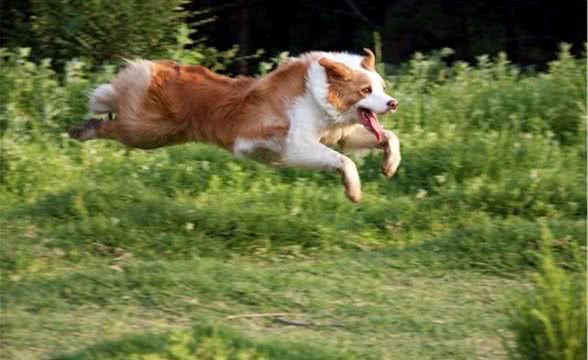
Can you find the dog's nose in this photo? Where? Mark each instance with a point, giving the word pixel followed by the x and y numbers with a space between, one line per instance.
pixel 392 104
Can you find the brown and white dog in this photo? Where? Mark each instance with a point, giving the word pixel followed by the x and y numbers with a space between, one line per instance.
pixel 288 117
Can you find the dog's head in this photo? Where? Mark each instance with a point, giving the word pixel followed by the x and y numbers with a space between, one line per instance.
pixel 350 90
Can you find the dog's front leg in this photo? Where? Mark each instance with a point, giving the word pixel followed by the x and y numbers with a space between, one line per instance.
pixel 361 138
pixel 317 156
pixel 391 154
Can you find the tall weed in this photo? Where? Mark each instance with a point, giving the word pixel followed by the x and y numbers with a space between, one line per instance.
pixel 550 323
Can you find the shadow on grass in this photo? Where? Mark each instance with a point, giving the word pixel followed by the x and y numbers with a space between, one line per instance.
pixel 203 342
pixel 501 247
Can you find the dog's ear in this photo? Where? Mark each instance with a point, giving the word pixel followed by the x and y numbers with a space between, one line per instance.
pixel 336 70
pixel 369 60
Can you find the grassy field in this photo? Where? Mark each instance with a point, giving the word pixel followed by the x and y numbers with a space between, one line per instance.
pixel 110 253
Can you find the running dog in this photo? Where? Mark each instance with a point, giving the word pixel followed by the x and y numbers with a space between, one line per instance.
pixel 289 117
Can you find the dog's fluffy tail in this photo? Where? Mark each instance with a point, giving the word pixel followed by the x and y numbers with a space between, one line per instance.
pixel 104 99
pixel 125 95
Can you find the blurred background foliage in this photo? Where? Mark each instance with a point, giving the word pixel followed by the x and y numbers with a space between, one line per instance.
pixel 95 30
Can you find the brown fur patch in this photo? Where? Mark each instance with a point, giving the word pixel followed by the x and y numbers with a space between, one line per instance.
pixel 192 103
pixel 345 84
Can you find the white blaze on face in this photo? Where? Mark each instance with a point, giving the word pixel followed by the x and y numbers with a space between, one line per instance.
pixel 378 100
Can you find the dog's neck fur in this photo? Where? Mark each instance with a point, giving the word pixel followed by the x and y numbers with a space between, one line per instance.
pixel 317 87
pixel 325 116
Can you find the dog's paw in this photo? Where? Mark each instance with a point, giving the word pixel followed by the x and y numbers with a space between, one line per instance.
pixel 391 155
pixel 390 165
pixel 353 194
pixel 351 179
pixel 75 133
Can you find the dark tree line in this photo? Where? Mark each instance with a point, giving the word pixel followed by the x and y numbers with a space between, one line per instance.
pixel 528 30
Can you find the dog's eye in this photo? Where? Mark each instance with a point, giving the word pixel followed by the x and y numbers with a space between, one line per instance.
pixel 366 90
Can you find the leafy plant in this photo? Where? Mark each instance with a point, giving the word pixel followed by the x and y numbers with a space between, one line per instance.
pixel 550 323
pixel 102 31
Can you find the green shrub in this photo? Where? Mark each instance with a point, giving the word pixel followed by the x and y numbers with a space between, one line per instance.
pixel 493 94
pixel 460 182
pixel 550 323
pixel 103 31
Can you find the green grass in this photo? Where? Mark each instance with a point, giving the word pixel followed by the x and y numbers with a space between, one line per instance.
pixel 362 304
pixel 110 253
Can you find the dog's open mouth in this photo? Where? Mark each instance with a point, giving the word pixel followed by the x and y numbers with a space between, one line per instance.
pixel 369 119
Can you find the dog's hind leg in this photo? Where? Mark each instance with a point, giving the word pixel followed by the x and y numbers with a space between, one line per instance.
pixel 142 136
pixel 88 131
pixel 99 129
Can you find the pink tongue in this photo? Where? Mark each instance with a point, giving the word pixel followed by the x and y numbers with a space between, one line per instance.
pixel 375 126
